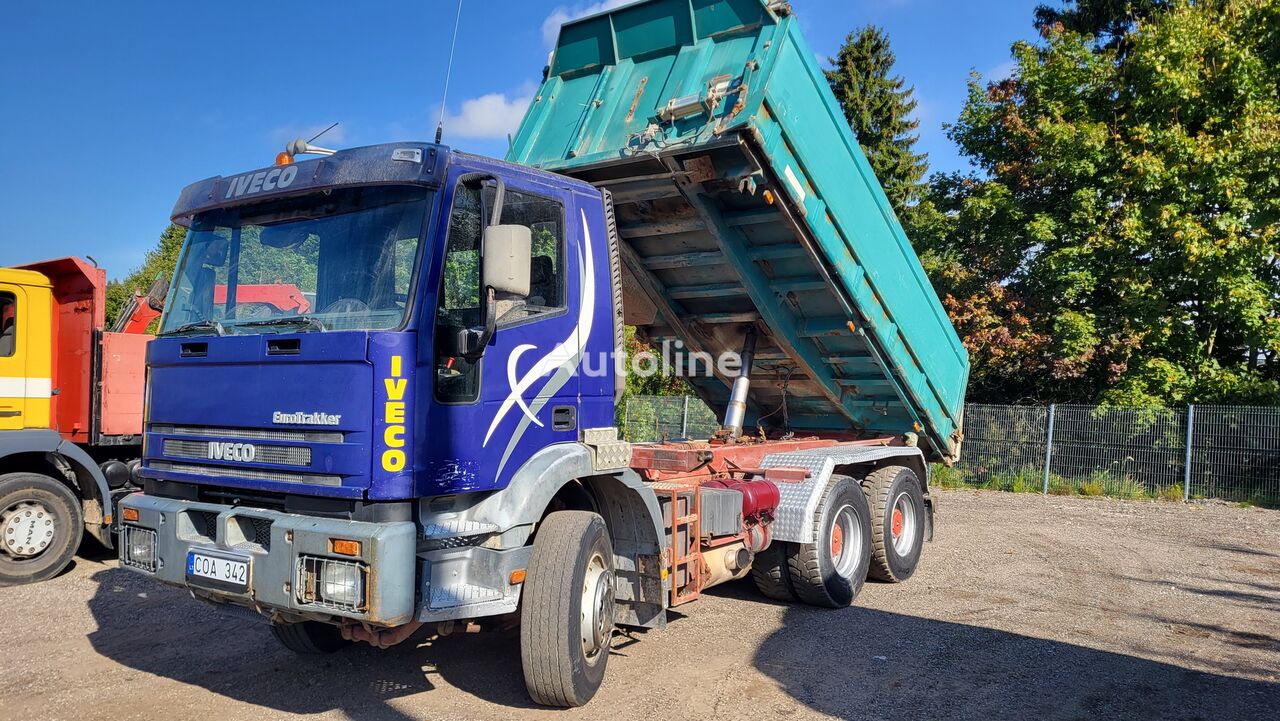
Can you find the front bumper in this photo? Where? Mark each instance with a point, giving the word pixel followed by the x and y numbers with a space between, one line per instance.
pixel 274 544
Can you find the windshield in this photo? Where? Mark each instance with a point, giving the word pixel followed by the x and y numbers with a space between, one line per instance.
pixel 343 260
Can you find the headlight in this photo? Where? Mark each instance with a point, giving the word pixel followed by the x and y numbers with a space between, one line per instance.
pixel 331 583
pixel 138 548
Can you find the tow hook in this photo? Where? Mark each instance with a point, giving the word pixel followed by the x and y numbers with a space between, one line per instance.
pixel 379 637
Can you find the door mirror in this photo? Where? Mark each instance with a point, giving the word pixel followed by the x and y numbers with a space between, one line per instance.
pixel 508 254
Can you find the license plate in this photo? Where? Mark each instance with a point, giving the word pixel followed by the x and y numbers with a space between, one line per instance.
pixel 218 571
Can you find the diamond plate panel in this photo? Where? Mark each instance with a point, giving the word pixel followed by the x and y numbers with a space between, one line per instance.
pixel 799 501
pixel 462 594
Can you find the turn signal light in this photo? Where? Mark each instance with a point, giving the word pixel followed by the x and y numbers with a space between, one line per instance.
pixel 344 547
pixel 517 576
pixel 130 514
pixel 283 158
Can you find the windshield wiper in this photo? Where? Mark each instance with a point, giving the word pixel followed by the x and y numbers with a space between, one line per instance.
pixel 212 325
pixel 307 320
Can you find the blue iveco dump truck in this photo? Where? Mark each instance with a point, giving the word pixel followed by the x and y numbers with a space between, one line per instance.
pixel 427 437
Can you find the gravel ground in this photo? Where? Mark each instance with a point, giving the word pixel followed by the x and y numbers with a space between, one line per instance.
pixel 1024 607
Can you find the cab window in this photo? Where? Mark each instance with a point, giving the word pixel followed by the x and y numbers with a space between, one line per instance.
pixel 458 379
pixel 545 218
pixel 8 324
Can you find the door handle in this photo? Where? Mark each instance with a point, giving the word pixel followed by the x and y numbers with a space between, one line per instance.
pixel 10 414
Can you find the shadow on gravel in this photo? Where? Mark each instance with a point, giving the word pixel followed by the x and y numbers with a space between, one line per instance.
pixel 165 632
pixel 860 663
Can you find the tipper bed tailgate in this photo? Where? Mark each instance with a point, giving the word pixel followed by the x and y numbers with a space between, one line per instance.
pixel 742 197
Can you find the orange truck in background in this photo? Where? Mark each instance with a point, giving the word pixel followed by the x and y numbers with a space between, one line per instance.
pixel 71 407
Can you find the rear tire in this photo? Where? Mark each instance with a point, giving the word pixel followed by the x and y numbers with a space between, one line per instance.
pixel 831 571
pixel 309 638
pixel 770 574
pixel 41 525
pixel 567 609
pixel 898 517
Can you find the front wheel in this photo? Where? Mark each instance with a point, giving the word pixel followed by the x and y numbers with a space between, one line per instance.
pixel 41 525
pixel 309 638
pixel 567 609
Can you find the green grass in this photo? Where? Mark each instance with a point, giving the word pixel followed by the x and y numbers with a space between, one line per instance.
pixel 1098 484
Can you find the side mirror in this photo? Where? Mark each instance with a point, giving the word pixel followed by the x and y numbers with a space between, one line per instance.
pixel 508 255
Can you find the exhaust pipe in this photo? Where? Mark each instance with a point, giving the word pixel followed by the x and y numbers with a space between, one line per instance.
pixel 737 410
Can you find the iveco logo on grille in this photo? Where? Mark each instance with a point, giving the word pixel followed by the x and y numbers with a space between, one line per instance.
pixel 241 452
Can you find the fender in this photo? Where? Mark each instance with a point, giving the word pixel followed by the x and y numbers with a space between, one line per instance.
pixel 629 507
pixel 511 511
pixel 93 491
pixel 800 500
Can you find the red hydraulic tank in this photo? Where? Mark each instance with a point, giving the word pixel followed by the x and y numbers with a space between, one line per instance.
pixel 759 497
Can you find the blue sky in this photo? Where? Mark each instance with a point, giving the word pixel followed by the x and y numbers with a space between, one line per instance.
pixel 107 109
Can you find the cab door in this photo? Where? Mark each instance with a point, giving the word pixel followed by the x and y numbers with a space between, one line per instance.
pixel 491 414
pixel 13 366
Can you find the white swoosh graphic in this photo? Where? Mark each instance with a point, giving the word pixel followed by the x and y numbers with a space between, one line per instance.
pixel 567 353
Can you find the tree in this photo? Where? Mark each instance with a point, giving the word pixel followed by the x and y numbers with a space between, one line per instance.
pixel 878 106
pixel 159 262
pixel 1125 240
pixel 1108 21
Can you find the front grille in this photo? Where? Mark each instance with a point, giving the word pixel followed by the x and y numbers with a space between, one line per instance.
pixel 261 532
pixel 278 455
pixel 255 474
pixel 204 523
pixel 138 548
pixel 250 433
pixel 249 533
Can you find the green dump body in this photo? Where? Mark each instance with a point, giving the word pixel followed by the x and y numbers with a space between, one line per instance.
pixel 743 200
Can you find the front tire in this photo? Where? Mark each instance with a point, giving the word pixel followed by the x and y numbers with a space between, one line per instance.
pixel 897 522
pixel 309 638
pixel 41 525
pixel 831 571
pixel 567 609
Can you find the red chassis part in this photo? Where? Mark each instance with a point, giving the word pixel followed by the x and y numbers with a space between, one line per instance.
pixel 700 461
pixel 679 470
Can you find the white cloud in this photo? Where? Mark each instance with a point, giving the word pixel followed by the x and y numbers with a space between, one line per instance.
pixel 493 115
pixel 564 13
pixel 1001 71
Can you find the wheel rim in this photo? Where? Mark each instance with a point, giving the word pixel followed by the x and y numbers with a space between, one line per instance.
pixel 597 607
pixel 27 529
pixel 846 541
pixel 902 525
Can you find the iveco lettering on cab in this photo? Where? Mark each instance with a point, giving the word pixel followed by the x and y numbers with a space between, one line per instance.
pixel 263 180
pixel 452 458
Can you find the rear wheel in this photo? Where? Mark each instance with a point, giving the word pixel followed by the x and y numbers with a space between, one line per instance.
pixel 309 638
pixel 831 571
pixel 567 609
pixel 41 524
pixel 770 574
pixel 897 522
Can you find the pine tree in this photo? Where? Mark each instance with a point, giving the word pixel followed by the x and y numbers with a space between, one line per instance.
pixel 878 106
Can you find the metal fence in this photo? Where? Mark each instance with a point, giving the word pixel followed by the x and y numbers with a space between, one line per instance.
pixel 1226 452
pixel 656 418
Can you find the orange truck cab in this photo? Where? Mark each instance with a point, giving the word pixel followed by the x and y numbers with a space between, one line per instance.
pixel 71 405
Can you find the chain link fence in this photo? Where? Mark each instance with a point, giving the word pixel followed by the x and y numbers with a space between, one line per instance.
pixel 1225 452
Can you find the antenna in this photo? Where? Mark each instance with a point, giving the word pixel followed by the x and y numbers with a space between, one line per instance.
pixel 444 102
pixel 322 132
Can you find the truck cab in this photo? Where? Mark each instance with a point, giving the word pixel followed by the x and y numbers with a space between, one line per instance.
pixel 71 397
pixel 26 298
pixel 415 386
